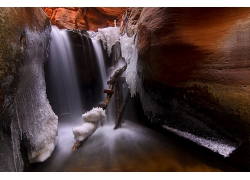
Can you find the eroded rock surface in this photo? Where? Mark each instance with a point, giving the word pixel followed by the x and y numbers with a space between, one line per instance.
pixel 87 18
pixel 195 65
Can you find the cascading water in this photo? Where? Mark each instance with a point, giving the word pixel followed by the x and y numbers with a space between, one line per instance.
pixel 63 93
pixel 62 82
pixel 98 51
pixel 133 147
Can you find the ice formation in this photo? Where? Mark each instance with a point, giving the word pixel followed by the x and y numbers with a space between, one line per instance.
pixel 135 82
pixel 149 98
pixel 108 36
pixel 91 120
pixel 215 146
pixel 129 52
pixel 34 116
pixel 135 78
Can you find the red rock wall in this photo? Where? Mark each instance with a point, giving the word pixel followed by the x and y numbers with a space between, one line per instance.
pixel 203 53
pixel 207 43
pixel 83 18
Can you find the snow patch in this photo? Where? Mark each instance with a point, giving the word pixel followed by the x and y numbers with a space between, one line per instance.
pixel 92 120
pixel 94 116
pixel 84 131
pixel 42 154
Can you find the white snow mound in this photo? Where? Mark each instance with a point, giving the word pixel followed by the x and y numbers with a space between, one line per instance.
pixel 94 116
pixel 82 132
pixel 42 154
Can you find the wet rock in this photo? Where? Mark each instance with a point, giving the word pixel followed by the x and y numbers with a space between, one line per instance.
pixel 115 54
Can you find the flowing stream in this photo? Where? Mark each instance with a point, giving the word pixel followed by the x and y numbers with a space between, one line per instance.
pixel 133 147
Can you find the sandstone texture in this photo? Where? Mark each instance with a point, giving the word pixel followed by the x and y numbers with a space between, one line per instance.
pixel 87 18
pixel 196 62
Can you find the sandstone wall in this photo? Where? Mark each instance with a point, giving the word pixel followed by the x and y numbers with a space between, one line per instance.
pixel 199 60
pixel 87 18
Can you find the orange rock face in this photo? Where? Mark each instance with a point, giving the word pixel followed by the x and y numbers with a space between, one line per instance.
pixel 201 56
pixel 87 18
pixel 195 43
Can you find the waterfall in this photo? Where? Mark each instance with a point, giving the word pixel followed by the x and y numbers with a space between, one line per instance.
pixel 99 54
pixel 63 86
pixel 107 148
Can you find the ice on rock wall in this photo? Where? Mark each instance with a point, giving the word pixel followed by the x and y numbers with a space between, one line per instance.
pixel 108 36
pixel 215 146
pixel 149 98
pixel 129 52
pixel 91 119
pixel 35 118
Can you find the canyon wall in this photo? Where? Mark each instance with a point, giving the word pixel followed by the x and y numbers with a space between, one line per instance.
pixel 87 18
pixel 27 122
pixel 194 64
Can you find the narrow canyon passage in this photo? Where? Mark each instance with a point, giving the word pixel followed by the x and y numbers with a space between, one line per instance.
pixel 132 147
pixel 95 89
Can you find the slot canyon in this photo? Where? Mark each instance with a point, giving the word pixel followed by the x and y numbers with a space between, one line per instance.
pixel 124 89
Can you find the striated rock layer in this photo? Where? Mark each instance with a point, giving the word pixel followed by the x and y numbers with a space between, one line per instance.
pixel 195 66
pixel 87 18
